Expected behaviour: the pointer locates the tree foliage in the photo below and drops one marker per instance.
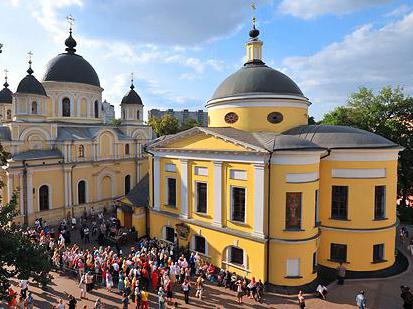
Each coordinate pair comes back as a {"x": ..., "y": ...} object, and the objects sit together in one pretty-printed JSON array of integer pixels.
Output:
[
  {"x": 388, "y": 113},
  {"x": 19, "y": 256},
  {"x": 115, "y": 122},
  {"x": 168, "y": 124}
]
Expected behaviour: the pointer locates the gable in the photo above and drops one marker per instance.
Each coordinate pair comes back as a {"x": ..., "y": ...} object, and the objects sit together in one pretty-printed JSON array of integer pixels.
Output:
[{"x": 202, "y": 141}]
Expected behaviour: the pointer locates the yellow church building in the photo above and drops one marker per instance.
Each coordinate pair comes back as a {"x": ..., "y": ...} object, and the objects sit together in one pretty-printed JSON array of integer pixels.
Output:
[
  {"x": 64, "y": 159},
  {"x": 262, "y": 193}
]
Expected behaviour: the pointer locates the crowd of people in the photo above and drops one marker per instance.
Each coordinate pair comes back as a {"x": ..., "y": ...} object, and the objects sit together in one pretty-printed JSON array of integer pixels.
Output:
[{"x": 150, "y": 265}]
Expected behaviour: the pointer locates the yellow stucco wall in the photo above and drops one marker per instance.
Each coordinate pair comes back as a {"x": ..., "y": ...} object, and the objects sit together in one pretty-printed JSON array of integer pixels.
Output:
[
  {"x": 204, "y": 142},
  {"x": 256, "y": 120}
]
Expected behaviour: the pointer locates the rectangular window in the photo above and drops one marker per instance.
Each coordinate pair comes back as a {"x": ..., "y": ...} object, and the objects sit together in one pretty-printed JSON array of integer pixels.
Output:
[
  {"x": 315, "y": 262},
  {"x": 201, "y": 171},
  {"x": 293, "y": 268},
  {"x": 338, "y": 252},
  {"x": 316, "y": 220},
  {"x": 201, "y": 197},
  {"x": 339, "y": 197},
  {"x": 378, "y": 253},
  {"x": 236, "y": 256},
  {"x": 200, "y": 244},
  {"x": 238, "y": 204},
  {"x": 293, "y": 211},
  {"x": 169, "y": 234},
  {"x": 171, "y": 194},
  {"x": 238, "y": 174},
  {"x": 379, "y": 202}
]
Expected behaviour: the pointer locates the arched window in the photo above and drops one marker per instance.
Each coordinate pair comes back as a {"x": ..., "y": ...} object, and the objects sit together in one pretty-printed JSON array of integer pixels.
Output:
[
  {"x": 123, "y": 114},
  {"x": 34, "y": 107},
  {"x": 137, "y": 114},
  {"x": 44, "y": 198},
  {"x": 127, "y": 151},
  {"x": 66, "y": 107},
  {"x": 8, "y": 114},
  {"x": 81, "y": 192},
  {"x": 96, "y": 109},
  {"x": 127, "y": 184},
  {"x": 81, "y": 151}
]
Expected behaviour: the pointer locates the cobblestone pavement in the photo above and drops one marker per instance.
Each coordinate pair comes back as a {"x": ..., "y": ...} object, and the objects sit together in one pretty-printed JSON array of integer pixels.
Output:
[{"x": 381, "y": 294}]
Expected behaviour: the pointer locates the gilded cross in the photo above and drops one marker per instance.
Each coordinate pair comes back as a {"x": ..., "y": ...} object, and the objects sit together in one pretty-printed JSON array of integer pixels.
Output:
[{"x": 71, "y": 20}]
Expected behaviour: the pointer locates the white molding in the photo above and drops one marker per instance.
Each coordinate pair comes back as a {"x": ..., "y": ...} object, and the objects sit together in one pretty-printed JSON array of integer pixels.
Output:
[
  {"x": 259, "y": 203},
  {"x": 218, "y": 193},
  {"x": 301, "y": 177},
  {"x": 344, "y": 230},
  {"x": 184, "y": 188},
  {"x": 49, "y": 192},
  {"x": 258, "y": 103},
  {"x": 216, "y": 156},
  {"x": 238, "y": 174},
  {"x": 363, "y": 173},
  {"x": 169, "y": 167},
  {"x": 363, "y": 155},
  {"x": 86, "y": 191},
  {"x": 29, "y": 192},
  {"x": 256, "y": 97},
  {"x": 296, "y": 158},
  {"x": 201, "y": 171},
  {"x": 156, "y": 181},
  {"x": 193, "y": 244}
]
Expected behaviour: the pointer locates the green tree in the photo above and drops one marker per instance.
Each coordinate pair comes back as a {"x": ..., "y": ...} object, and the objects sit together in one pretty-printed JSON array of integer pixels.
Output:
[
  {"x": 115, "y": 122},
  {"x": 388, "y": 113},
  {"x": 165, "y": 125},
  {"x": 190, "y": 123},
  {"x": 19, "y": 256}
]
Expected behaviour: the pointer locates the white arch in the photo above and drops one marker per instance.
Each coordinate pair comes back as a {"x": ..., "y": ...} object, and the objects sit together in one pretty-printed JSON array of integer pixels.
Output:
[
  {"x": 79, "y": 100},
  {"x": 50, "y": 193},
  {"x": 59, "y": 103},
  {"x": 43, "y": 132}
]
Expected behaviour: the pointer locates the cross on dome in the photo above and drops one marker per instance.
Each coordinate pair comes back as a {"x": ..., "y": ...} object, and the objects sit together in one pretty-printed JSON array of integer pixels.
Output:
[
  {"x": 30, "y": 70},
  {"x": 6, "y": 84},
  {"x": 71, "y": 20},
  {"x": 131, "y": 80}
]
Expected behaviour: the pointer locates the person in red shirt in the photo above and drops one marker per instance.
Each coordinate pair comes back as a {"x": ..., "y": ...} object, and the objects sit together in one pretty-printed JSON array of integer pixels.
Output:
[{"x": 155, "y": 280}]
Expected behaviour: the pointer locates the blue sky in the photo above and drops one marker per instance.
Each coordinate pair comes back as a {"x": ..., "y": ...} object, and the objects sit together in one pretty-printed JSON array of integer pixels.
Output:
[{"x": 180, "y": 50}]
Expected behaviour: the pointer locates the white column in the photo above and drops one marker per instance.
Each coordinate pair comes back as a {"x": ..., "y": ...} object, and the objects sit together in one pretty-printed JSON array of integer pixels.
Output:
[
  {"x": 217, "y": 193},
  {"x": 259, "y": 199},
  {"x": 138, "y": 171},
  {"x": 69, "y": 187},
  {"x": 66, "y": 185},
  {"x": 184, "y": 188},
  {"x": 10, "y": 185},
  {"x": 156, "y": 183},
  {"x": 21, "y": 197},
  {"x": 29, "y": 193}
]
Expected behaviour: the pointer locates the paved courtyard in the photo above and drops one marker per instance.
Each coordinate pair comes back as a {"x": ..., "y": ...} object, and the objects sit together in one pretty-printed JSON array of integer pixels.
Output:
[{"x": 381, "y": 294}]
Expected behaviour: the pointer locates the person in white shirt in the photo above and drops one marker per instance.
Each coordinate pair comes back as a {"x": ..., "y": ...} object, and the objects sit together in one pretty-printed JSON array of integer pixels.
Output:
[
  {"x": 24, "y": 286},
  {"x": 322, "y": 291}
]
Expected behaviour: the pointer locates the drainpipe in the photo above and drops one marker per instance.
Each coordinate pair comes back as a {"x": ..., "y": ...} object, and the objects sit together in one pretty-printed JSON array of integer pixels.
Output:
[{"x": 267, "y": 273}]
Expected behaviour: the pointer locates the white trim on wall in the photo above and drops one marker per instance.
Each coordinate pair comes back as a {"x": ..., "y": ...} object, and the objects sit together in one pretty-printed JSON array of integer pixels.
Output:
[
  {"x": 364, "y": 155},
  {"x": 253, "y": 158},
  {"x": 296, "y": 158},
  {"x": 201, "y": 171},
  {"x": 358, "y": 173},
  {"x": 301, "y": 177},
  {"x": 169, "y": 167},
  {"x": 238, "y": 174},
  {"x": 232, "y": 205},
  {"x": 196, "y": 182}
]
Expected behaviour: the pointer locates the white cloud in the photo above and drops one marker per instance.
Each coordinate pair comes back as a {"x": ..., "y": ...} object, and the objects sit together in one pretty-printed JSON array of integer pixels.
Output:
[
  {"x": 309, "y": 9},
  {"x": 367, "y": 57}
]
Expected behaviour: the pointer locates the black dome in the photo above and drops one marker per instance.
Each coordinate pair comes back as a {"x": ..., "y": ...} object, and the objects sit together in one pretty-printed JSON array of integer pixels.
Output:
[
  {"x": 6, "y": 94},
  {"x": 69, "y": 67},
  {"x": 256, "y": 78},
  {"x": 31, "y": 85},
  {"x": 132, "y": 97}
]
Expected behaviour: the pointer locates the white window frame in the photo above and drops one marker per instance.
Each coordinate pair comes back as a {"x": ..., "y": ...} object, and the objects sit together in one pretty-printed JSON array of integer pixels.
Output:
[
  {"x": 193, "y": 247},
  {"x": 292, "y": 270},
  {"x": 86, "y": 191},
  {"x": 167, "y": 192},
  {"x": 196, "y": 197},
  {"x": 50, "y": 193},
  {"x": 164, "y": 234},
  {"x": 232, "y": 204}
]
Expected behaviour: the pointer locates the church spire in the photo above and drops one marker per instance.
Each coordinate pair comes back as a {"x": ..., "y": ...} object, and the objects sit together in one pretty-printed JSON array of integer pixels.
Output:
[
  {"x": 254, "y": 45},
  {"x": 30, "y": 70},
  {"x": 131, "y": 81},
  {"x": 6, "y": 84},
  {"x": 70, "y": 41}
]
